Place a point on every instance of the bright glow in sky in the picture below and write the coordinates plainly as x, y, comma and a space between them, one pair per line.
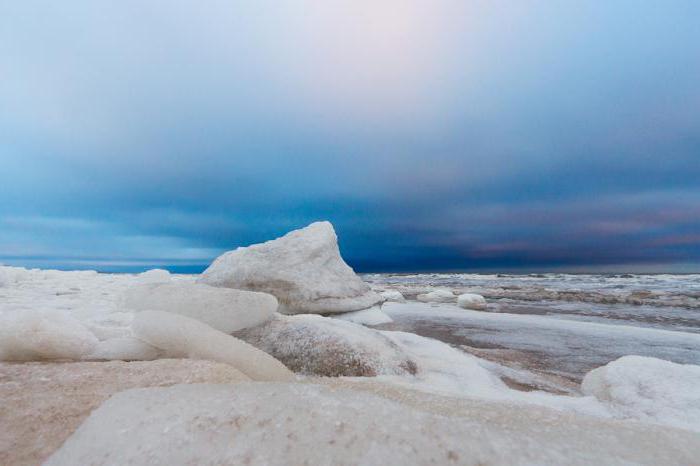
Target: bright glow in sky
434, 134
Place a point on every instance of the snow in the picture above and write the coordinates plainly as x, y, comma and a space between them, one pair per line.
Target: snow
437, 296
316, 345
471, 301
224, 309
181, 337
371, 316
649, 389
37, 335
303, 269
276, 424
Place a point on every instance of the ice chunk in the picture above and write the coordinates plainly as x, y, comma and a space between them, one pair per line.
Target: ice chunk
181, 337
126, 348
303, 269
437, 296
371, 316
280, 424
648, 389
318, 345
393, 296
35, 335
471, 301
154, 276
224, 309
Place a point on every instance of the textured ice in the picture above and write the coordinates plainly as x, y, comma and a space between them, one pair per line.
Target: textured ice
437, 296
303, 269
36, 335
371, 316
649, 389
125, 348
471, 301
280, 424
224, 309
312, 344
181, 337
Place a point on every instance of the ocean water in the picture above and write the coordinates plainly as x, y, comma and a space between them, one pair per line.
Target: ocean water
557, 325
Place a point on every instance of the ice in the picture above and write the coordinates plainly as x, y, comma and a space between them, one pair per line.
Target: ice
279, 424
154, 276
437, 296
125, 348
181, 337
36, 335
312, 344
303, 269
371, 316
393, 295
224, 309
44, 402
649, 389
471, 301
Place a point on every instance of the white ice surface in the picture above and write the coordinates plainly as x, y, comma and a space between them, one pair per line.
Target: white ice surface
437, 296
224, 309
648, 389
471, 301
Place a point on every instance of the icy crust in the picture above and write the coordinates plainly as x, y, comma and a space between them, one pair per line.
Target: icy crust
277, 424
223, 309
35, 335
316, 345
648, 389
303, 269
181, 337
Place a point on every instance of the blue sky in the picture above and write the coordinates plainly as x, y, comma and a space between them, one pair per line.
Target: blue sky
435, 135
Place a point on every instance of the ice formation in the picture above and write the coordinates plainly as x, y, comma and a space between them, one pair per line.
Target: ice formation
371, 316
648, 389
303, 269
125, 348
35, 335
437, 296
471, 301
276, 424
318, 345
393, 296
224, 309
181, 337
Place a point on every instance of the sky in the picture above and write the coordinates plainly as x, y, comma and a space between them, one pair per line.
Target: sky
435, 135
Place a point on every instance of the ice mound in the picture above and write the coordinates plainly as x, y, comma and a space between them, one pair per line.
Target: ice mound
303, 269
471, 301
181, 337
43, 403
648, 389
154, 276
280, 424
393, 296
224, 309
34, 335
371, 316
437, 296
317, 345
